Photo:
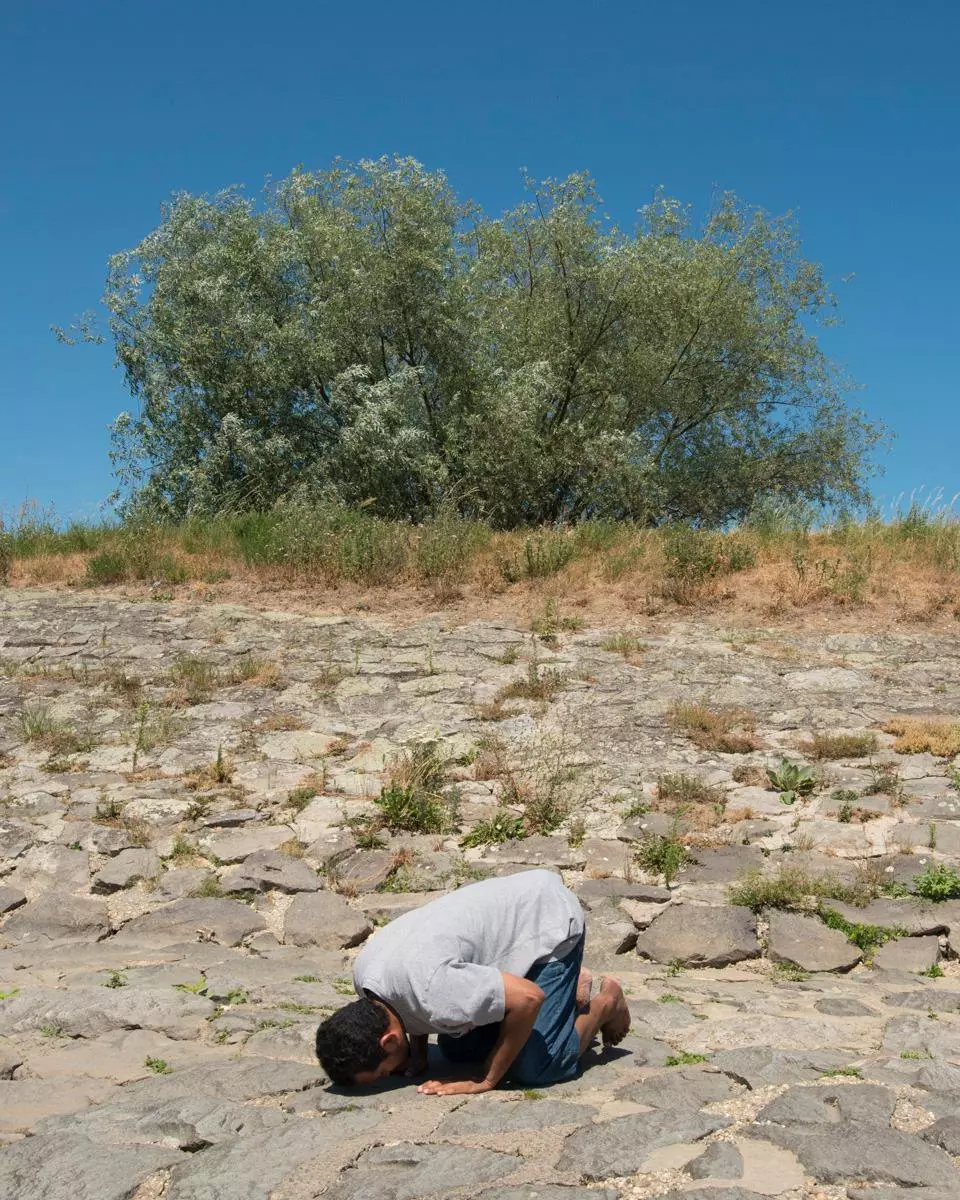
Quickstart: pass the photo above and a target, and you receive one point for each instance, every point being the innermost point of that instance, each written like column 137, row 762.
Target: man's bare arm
column 522, row 1002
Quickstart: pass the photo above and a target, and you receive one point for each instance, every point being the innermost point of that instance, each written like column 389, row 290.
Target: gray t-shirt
column 439, row 967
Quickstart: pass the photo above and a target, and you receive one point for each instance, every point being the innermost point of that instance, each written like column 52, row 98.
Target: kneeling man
column 495, row 970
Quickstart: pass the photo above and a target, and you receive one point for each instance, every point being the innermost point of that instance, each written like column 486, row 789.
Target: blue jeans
column 552, row 1051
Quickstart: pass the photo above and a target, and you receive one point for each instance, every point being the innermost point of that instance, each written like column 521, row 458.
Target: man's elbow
column 533, row 998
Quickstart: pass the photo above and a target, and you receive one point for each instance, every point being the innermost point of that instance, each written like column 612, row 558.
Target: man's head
column 361, row 1043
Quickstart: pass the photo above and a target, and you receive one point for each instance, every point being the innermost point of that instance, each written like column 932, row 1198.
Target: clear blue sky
column 846, row 112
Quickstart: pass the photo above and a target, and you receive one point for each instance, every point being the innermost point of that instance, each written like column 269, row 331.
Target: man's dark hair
column 349, row 1040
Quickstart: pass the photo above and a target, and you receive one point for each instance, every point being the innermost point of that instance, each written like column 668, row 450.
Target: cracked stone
column 621, row 1146
column 267, row 869
column 484, row 1117
column 125, row 869
column 809, row 943
column 324, row 919
column 226, row 922
column 853, row 1154
column 700, row 936
column 720, row 1160
column 682, row 1087
column 67, row 1167
column 412, row 1172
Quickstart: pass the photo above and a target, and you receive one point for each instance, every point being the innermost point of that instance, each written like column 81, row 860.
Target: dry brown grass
column 750, row 775
column 823, row 746
column 724, row 730
column 858, row 577
column 277, row 723
column 939, row 736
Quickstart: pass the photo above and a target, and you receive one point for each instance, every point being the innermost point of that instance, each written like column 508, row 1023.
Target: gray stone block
column 809, row 943
column 762, row 1066
column 695, row 935
column 409, row 1172
column 848, row 1153
column 227, row 922
column 484, row 1117
column 125, row 869
column 324, row 919
column 720, row 1160
column 269, row 869
column 58, row 918
column 682, row 1087
column 621, row 1146
column 67, row 1167
column 253, row 1167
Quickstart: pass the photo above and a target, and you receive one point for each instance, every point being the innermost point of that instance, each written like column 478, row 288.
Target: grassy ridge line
column 852, row 563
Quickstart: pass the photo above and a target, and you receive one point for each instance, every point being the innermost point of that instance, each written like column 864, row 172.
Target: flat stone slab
column 51, row 917
column 843, row 1006
column 597, row 891
column 227, row 922
column 192, row 1122
column 253, row 1166
column 913, row 954
column 364, row 870
column 695, row 935
column 763, row 1066
column 865, row 1103
column 538, row 851
column 234, row 845
column 324, row 919
column 621, row 1146
column 409, row 1172
column 809, row 943
column 69, row 1166
column 125, row 869
column 484, row 1117
column 267, row 870
column 944, row 1133
column 89, row 1012
column 10, row 898
column 720, row 1160
column 849, row 1153
column 898, row 1193
column 682, row 1087
column 248, row 1079
column 912, row 916
column 548, row 1191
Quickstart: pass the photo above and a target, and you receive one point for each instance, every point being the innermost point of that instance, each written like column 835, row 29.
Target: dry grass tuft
column 725, row 731
column 840, row 745
column 939, row 736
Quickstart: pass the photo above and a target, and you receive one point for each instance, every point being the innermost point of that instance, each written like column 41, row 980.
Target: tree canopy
column 364, row 336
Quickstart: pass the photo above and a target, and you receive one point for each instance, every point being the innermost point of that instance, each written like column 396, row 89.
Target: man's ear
column 391, row 1041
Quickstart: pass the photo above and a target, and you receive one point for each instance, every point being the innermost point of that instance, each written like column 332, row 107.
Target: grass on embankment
column 912, row 563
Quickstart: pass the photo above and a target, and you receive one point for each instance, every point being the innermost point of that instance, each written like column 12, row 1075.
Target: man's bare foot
column 584, row 988
column 618, row 1026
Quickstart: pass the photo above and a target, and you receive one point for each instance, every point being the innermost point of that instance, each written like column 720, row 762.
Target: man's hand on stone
column 454, row 1087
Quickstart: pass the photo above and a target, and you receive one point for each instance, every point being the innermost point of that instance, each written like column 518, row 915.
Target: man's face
column 397, row 1050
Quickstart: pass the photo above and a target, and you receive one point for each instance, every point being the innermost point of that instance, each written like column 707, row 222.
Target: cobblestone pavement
column 181, row 899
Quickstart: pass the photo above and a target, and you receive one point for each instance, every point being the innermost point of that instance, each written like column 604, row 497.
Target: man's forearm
column 516, row 1028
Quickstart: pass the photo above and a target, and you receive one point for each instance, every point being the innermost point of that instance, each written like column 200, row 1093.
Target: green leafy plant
column 869, row 938
column 792, row 780
column 937, row 883
column 158, row 1066
column 683, row 1058
column 661, row 855
column 503, row 826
